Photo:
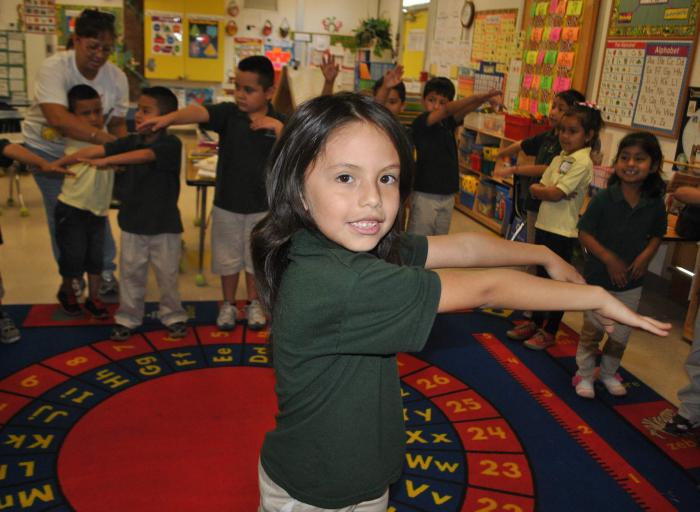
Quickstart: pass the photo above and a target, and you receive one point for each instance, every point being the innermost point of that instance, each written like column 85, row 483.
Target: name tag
column 565, row 166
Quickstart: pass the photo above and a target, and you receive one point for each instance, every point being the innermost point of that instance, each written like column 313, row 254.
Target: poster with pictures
column 66, row 14
column 279, row 51
column 199, row 95
column 203, row 38
column 689, row 136
column 39, row 16
column 246, row 47
column 166, row 35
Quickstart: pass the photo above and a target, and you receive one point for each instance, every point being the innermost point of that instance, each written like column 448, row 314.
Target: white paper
column 416, row 40
column 17, row 73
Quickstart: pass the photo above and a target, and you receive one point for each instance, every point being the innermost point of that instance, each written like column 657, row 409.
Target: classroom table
column 201, row 184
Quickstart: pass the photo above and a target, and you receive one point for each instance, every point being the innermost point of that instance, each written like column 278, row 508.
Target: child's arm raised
column 518, row 290
column 479, row 250
column 391, row 79
column 460, row 108
column 330, row 72
column 189, row 115
column 137, row 156
column 22, row 154
column 86, row 153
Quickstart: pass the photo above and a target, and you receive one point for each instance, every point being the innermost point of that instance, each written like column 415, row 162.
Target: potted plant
column 374, row 32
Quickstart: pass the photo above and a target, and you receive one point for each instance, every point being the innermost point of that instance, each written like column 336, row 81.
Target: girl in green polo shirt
column 621, row 230
column 347, row 290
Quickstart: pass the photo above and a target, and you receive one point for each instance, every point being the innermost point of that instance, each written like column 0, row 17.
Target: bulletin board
column 556, row 51
column 450, row 46
column 13, row 80
column 494, row 38
column 644, row 79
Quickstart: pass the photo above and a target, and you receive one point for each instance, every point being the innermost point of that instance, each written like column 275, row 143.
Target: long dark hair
column 302, row 142
column 590, row 118
column 654, row 185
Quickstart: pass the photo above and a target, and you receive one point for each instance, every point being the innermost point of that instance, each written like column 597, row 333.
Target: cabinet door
column 164, row 44
column 204, row 56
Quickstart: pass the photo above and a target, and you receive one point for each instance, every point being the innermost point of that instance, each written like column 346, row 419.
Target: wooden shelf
column 489, row 222
column 465, row 168
column 490, row 133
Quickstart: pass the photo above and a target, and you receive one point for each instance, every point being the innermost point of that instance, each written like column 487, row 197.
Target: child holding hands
column 621, row 231
column 347, row 291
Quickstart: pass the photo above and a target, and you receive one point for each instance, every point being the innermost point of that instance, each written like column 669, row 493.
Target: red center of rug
column 186, row 441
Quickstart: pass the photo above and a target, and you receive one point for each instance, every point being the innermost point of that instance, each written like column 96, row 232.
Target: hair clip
column 588, row 104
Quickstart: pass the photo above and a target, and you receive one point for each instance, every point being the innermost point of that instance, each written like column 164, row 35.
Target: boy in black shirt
column 437, row 171
column 148, row 216
column 247, row 132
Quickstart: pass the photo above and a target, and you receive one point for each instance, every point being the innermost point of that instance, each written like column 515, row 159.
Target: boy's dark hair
column 570, row 97
column 400, row 89
column 260, row 65
column 590, row 118
column 93, row 22
column 440, row 85
column 80, row 92
column 302, row 142
column 165, row 98
column 654, row 185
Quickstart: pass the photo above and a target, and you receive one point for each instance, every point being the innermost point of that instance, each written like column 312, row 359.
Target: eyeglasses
column 95, row 14
column 93, row 46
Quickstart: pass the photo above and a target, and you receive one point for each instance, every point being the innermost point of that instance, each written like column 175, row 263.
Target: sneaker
column 679, row 426
column 256, row 316
column 120, row 333
column 522, row 332
column 69, row 303
column 226, row 320
column 177, row 330
column 8, row 330
column 584, row 386
column 613, row 383
column 540, row 340
column 108, row 285
column 96, row 308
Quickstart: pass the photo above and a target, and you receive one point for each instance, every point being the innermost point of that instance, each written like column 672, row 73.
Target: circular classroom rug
column 155, row 423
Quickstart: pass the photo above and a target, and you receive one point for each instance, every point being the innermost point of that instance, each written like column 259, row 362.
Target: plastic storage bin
column 517, row 127
column 484, row 198
column 503, row 204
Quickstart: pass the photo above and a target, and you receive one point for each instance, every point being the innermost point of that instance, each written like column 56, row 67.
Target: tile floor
column 31, row 276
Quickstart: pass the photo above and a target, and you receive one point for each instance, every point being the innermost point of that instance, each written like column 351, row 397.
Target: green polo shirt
column 340, row 318
column 624, row 230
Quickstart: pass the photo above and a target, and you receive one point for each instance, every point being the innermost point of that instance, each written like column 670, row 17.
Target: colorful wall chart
column 653, row 18
column 166, row 35
column 203, row 38
column 494, row 37
column 39, row 16
column 644, row 79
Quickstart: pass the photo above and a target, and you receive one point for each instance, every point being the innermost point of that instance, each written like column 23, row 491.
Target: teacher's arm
column 70, row 125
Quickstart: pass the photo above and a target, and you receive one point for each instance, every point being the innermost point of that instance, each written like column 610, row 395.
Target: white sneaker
column 613, row 385
column 256, row 316
column 584, row 386
column 226, row 320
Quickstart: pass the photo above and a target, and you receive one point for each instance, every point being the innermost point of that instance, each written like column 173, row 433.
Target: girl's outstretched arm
column 483, row 250
column 517, row 290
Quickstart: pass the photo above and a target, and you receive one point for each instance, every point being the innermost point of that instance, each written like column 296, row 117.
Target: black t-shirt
column 437, row 171
column 240, row 171
column 4, row 161
column 150, row 191
column 544, row 147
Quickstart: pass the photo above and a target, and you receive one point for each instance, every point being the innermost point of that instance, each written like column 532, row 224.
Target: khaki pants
column 275, row 499
column 592, row 333
column 431, row 214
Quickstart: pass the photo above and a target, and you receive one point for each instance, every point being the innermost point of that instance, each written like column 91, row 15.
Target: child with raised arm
column 247, row 131
column 151, row 228
column 544, row 147
column 347, row 291
column 561, row 190
column 621, row 231
column 9, row 333
column 437, row 169
column 390, row 90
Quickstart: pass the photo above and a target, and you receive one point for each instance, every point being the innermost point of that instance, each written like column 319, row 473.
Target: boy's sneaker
column 8, row 330
column 679, row 426
column 613, row 383
column 96, row 308
column 109, row 286
column 120, row 333
column 69, row 303
column 540, row 340
column 584, row 386
column 256, row 316
column 226, row 320
column 177, row 330
column 522, row 332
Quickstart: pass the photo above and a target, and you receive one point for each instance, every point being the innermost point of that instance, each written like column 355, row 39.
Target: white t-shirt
column 57, row 75
column 91, row 188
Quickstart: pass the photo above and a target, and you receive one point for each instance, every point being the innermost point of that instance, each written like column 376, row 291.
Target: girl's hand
column 393, row 77
column 329, row 68
column 638, row 267
column 615, row 311
column 617, row 270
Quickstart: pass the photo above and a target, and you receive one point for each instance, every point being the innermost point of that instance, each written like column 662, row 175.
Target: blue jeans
column 50, row 187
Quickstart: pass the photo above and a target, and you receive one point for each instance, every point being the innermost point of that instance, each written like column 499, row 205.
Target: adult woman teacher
column 48, row 120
